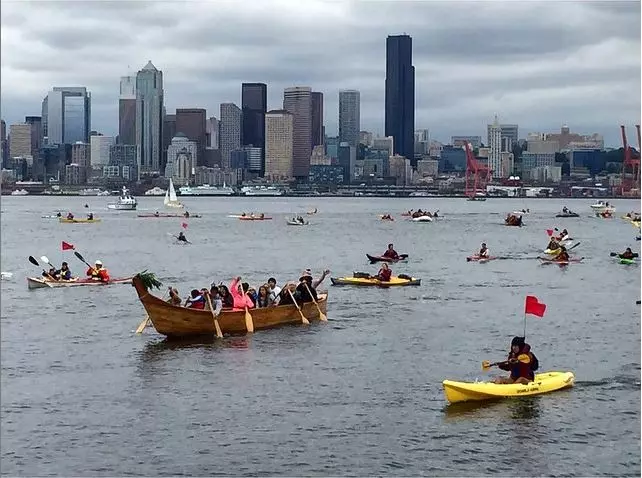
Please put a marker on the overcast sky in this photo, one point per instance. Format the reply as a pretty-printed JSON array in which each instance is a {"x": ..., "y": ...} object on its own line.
[{"x": 535, "y": 64}]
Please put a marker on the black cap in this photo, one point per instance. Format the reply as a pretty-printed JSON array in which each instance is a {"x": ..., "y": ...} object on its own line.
[{"x": 519, "y": 341}]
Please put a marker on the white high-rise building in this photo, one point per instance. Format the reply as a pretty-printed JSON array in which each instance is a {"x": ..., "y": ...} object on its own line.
[
  {"x": 495, "y": 153},
  {"x": 149, "y": 119},
  {"x": 181, "y": 159},
  {"x": 349, "y": 117},
  {"x": 279, "y": 144},
  {"x": 99, "y": 149},
  {"x": 212, "y": 132},
  {"x": 230, "y": 128}
]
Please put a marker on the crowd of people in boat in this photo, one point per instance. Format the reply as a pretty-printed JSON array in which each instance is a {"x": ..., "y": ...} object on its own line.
[
  {"x": 70, "y": 216},
  {"x": 298, "y": 219},
  {"x": 420, "y": 213},
  {"x": 97, "y": 273},
  {"x": 241, "y": 295}
]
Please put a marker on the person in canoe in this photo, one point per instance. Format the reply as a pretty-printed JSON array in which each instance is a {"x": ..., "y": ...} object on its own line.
[
  {"x": 391, "y": 253},
  {"x": 521, "y": 363},
  {"x": 195, "y": 300},
  {"x": 562, "y": 235},
  {"x": 565, "y": 210},
  {"x": 98, "y": 272},
  {"x": 58, "y": 214},
  {"x": 156, "y": 214},
  {"x": 186, "y": 214},
  {"x": 64, "y": 272},
  {"x": 90, "y": 216},
  {"x": 215, "y": 298},
  {"x": 238, "y": 291},
  {"x": 628, "y": 254},
  {"x": 384, "y": 274},
  {"x": 562, "y": 256},
  {"x": 70, "y": 216},
  {"x": 226, "y": 297},
  {"x": 181, "y": 237},
  {"x": 174, "y": 297},
  {"x": 300, "y": 220},
  {"x": 483, "y": 251},
  {"x": 262, "y": 216},
  {"x": 386, "y": 217}
]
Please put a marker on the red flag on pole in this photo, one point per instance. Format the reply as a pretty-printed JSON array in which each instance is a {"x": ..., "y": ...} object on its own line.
[
  {"x": 549, "y": 232},
  {"x": 184, "y": 225},
  {"x": 66, "y": 246},
  {"x": 534, "y": 306}
]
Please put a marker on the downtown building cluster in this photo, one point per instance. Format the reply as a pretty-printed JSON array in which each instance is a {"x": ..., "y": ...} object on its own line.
[{"x": 249, "y": 142}]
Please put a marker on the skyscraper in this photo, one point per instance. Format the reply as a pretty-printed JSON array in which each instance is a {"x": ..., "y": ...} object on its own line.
[
  {"x": 127, "y": 110},
  {"x": 4, "y": 153},
  {"x": 400, "y": 95},
  {"x": 66, "y": 115},
  {"x": 254, "y": 104},
  {"x": 20, "y": 140},
  {"x": 191, "y": 122},
  {"x": 298, "y": 101},
  {"x": 231, "y": 126},
  {"x": 495, "y": 144},
  {"x": 279, "y": 141},
  {"x": 510, "y": 135},
  {"x": 349, "y": 117},
  {"x": 149, "y": 119},
  {"x": 36, "y": 135},
  {"x": 317, "y": 118},
  {"x": 211, "y": 132}
]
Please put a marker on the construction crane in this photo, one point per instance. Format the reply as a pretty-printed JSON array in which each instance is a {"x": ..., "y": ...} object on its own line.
[
  {"x": 477, "y": 174},
  {"x": 630, "y": 166}
]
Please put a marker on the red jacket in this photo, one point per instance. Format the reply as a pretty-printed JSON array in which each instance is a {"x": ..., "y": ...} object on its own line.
[
  {"x": 101, "y": 274},
  {"x": 391, "y": 253},
  {"x": 384, "y": 275}
]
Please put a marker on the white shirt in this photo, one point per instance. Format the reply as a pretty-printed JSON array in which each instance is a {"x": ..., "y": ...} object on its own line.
[{"x": 274, "y": 294}]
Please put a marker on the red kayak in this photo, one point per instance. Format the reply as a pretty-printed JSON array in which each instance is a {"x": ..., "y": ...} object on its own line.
[
  {"x": 402, "y": 257},
  {"x": 480, "y": 258},
  {"x": 546, "y": 260},
  {"x": 254, "y": 218},
  {"x": 169, "y": 215}
]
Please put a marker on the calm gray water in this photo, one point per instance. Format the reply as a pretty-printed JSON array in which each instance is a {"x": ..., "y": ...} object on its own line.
[{"x": 359, "y": 395}]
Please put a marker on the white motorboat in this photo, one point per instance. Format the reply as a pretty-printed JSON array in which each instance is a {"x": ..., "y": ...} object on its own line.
[
  {"x": 601, "y": 206},
  {"x": 20, "y": 192},
  {"x": 422, "y": 219},
  {"x": 155, "y": 191},
  {"x": 295, "y": 222},
  {"x": 125, "y": 202},
  {"x": 171, "y": 200},
  {"x": 6, "y": 275}
]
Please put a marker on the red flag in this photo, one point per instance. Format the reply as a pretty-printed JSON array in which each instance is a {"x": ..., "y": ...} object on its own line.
[
  {"x": 66, "y": 246},
  {"x": 534, "y": 306},
  {"x": 549, "y": 232},
  {"x": 184, "y": 225}
]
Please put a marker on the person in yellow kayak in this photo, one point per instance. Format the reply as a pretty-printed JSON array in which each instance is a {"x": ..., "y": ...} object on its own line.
[
  {"x": 562, "y": 256},
  {"x": 521, "y": 363},
  {"x": 385, "y": 273},
  {"x": 553, "y": 244}
]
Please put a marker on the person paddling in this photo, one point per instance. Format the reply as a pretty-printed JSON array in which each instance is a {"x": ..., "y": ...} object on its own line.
[
  {"x": 484, "y": 251},
  {"x": 628, "y": 254},
  {"x": 521, "y": 363},
  {"x": 391, "y": 253},
  {"x": 562, "y": 256},
  {"x": 196, "y": 300},
  {"x": 181, "y": 237},
  {"x": 384, "y": 274},
  {"x": 98, "y": 272},
  {"x": 52, "y": 274},
  {"x": 70, "y": 216},
  {"x": 553, "y": 244},
  {"x": 64, "y": 272},
  {"x": 90, "y": 216}
]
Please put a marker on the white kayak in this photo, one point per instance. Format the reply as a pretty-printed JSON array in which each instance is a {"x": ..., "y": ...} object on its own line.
[
  {"x": 422, "y": 219},
  {"x": 6, "y": 275},
  {"x": 297, "y": 223}
]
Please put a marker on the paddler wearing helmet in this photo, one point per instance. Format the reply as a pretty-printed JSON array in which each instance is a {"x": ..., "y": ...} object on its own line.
[
  {"x": 521, "y": 363},
  {"x": 98, "y": 272}
]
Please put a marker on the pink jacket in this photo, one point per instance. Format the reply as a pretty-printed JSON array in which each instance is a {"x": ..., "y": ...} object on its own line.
[{"x": 241, "y": 301}]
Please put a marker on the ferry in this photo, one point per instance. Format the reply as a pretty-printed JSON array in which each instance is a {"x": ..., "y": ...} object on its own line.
[
  {"x": 93, "y": 192},
  {"x": 261, "y": 191},
  {"x": 206, "y": 190}
]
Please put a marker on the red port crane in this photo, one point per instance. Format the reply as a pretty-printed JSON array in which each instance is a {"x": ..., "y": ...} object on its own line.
[
  {"x": 477, "y": 174},
  {"x": 630, "y": 166}
]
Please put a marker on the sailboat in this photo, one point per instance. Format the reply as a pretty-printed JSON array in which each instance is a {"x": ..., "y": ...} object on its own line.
[{"x": 170, "y": 197}]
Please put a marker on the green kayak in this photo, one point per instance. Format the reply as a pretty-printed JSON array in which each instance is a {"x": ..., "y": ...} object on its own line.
[{"x": 627, "y": 261}]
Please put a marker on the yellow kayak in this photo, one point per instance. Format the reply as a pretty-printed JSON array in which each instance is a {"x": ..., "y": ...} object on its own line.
[
  {"x": 394, "y": 281},
  {"x": 544, "y": 383},
  {"x": 552, "y": 252},
  {"x": 73, "y": 221}
]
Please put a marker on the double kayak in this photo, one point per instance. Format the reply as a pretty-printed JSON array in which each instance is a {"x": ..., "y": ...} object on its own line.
[
  {"x": 297, "y": 223},
  {"x": 254, "y": 218},
  {"x": 475, "y": 391},
  {"x": 402, "y": 257},
  {"x": 41, "y": 282},
  {"x": 363, "y": 281},
  {"x": 64, "y": 220},
  {"x": 422, "y": 219},
  {"x": 478, "y": 258},
  {"x": 171, "y": 215},
  {"x": 567, "y": 214},
  {"x": 546, "y": 260}
]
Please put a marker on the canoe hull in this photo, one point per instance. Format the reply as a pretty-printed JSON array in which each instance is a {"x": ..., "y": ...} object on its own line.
[
  {"x": 64, "y": 220},
  {"x": 394, "y": 282},
  {"x": 567, "y": 215},
  {"x": 547, "y": 382},
  {"x": 41, "y": 283},
  {"x": 175, "y": 321},
  {"x": 254, "y": 218}
]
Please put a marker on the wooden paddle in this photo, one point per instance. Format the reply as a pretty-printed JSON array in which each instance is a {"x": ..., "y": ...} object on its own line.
[
  {"x": 321, "y": 314},
  {"x": 303, "y": 319},
  {"x": 219, "y": 334}
]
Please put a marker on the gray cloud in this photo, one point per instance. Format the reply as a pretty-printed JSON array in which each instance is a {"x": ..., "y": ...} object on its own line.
[{"x": 538, "y": 64}]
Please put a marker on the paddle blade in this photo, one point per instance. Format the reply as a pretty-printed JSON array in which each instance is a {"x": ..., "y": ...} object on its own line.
[
  {"x": 322, "y": 317},
  {"x": 45, "y": 259},
  {"x": 33, "y": 261},
  {"x": 303, "y": 319},
  {"x": 613, "y": 254},
  {"x": 485, "y": 365},
  {"x": 249, "y": 323},
  {"x": 79, "y": 256},
  {"x": 142, "y": 326}
]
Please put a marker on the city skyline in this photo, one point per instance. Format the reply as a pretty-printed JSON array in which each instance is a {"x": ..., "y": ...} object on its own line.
[{"x": 579, "y": 64}]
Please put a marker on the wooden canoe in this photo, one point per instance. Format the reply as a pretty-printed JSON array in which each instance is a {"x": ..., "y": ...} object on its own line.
[
  {"x": 41, "y": 282},
  {"x": 64, "y": 220},
  {"x": 176, "y": 321}
]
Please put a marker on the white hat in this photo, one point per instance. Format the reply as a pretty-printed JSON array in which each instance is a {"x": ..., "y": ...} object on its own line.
[{"x": 98, "y": 263}]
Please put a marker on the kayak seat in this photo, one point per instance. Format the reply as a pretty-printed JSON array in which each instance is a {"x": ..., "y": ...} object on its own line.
[{"x": 361, "y": 275}]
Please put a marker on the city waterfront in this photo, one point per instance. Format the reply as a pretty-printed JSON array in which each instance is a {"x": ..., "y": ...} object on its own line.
[{"x": 82, "y": 395}]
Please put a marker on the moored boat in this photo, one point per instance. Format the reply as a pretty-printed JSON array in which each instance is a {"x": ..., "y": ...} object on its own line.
[
  {"x": 42, "y": 282},
  {"x": 360, "y": 280},
  {"x": 475, "y": 391},
  {"x": 177, "y": 321}
]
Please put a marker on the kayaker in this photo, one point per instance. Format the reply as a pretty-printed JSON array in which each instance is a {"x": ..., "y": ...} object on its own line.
[
  {"x": 52, "y": 274},
  {"x": 384, "y": 274},
  {"x": 562, "y": 256},
  {"x": 521, "y": 363},
  {"x": 58, "y": 214},
  {"x": 628, "y": 254},
  {"x": 90, "y": 216},
  {"x": 262, "y": 216},
  {"x": 484, "y": 251},
  {"x": 186, "y": 214},
  {"x": 195, "y": 301},
  {"x": 391, "y": 253},
  {"x": 70, "y": 216},
  {"x": 64, "y": 272},
  {"x": 181, "y": 237},
  {"x": 553, "y": 244},
  {"x": 156, "y": 214},
  {"x": 98, "y": 272},
  {"x": 562, "y": 235}
]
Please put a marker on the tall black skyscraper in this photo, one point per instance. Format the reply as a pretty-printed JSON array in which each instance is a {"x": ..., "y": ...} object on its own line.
[
  {"x": 254, "y": 106},
  {"x": 400, "y": 95}
]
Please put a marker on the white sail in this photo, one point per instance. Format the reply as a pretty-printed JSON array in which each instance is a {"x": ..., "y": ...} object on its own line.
[
  {"x": 166, "y": 201},
  {"x": 172, "y": 192}
]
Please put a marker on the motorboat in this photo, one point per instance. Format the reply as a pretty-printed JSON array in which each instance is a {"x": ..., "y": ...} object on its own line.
[
  {"x": 155, "y": 191},
  {"x": 125, "y": 202},
  {"x": 20, "y": 192}
]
